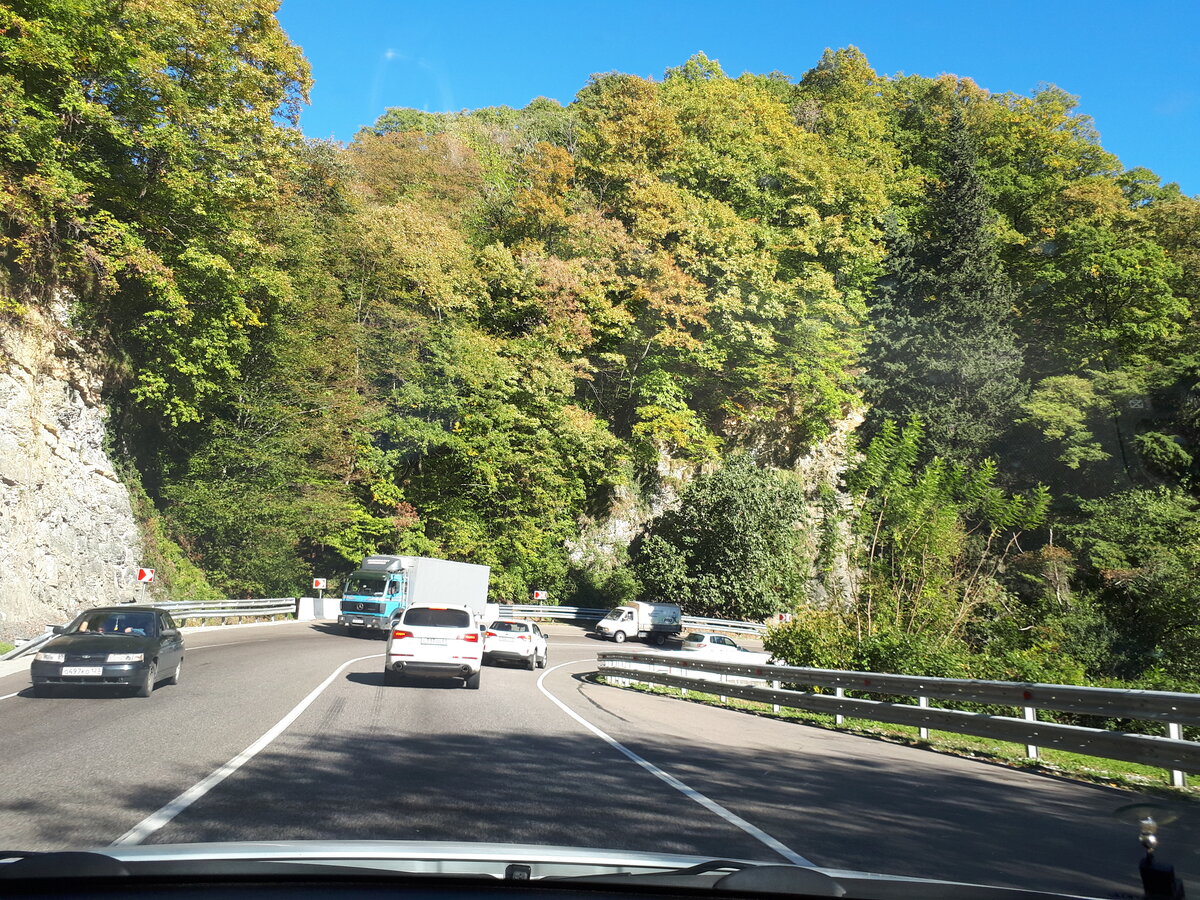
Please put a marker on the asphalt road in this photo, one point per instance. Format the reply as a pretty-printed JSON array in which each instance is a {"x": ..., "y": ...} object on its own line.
[{"x": 532, "y": 757}]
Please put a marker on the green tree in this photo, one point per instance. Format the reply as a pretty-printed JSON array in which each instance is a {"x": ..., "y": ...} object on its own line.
[
  {"x": 944, "y": 347},
  {"x": 734, "y": 548}
]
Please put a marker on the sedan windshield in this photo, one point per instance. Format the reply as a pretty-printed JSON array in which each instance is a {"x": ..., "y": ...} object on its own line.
[{"x": 139, "y": 623}]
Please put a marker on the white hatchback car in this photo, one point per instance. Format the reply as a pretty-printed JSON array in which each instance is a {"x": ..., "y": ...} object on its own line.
[
  {"x": 720, "y": 646},
  {"x": 435, "y": 642},
  {"x": 516, "y": 640}
]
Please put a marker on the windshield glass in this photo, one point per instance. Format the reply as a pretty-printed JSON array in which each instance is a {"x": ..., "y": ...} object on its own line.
[
  {"x": 509, "y": 626},
  {"x": 866, "y": 333},
  {"x": 364, "y": 586},
  {"x": 437, "y": 618},
  {"x": 138, "y": 623}
]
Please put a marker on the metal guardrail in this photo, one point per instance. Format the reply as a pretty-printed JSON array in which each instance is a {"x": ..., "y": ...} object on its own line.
[
  {"x": 586, "y": 614},
  {"x": 229, "y": 609},
  {"x": 725, "y": 625},
  {"x": 762, "y": 683}
]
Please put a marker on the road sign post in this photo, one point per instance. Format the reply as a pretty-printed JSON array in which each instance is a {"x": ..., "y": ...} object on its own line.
[{"x": 144, "y": 577}]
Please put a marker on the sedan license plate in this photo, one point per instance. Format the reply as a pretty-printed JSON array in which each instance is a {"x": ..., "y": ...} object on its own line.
[{"x": 83, "y": 670}]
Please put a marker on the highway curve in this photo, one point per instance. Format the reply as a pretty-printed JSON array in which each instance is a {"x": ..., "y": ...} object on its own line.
[{"x": 531, "y": 757}]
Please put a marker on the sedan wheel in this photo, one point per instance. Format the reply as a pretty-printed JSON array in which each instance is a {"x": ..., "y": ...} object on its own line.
[
  {"x": 146, "y": 688},
  {"x": 174, "y": 679}
]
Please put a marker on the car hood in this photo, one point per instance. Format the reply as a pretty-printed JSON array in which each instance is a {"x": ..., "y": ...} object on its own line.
[
  {"x": 635, "y": 870},
  {"x": 84, "y": 643}
]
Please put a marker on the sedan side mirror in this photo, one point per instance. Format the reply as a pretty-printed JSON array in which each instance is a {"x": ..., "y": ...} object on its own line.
[{"x": 58, "y": 629}]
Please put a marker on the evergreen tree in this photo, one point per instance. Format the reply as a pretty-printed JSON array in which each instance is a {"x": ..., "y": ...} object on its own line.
[{"x": 944, "y": 347}]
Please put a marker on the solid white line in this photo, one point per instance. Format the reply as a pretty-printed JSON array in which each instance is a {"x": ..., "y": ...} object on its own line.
[
  {"x": 226, "y": 644},
  {"x": 6, "y": 696},
  {"x": 157, "y": 820},
  {"x": 692, "y": 794}
]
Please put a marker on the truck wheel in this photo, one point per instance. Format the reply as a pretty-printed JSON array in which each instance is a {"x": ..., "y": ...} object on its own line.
[
  {"x": 472, "y": 682},
  {"x": 660, "y": 639},
  {"x": 619, "y": 637}
]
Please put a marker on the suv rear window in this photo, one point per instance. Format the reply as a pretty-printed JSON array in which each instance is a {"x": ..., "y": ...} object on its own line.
[
  {"x": 437, "y": 618},
  {"x": 508, "y": 626}
]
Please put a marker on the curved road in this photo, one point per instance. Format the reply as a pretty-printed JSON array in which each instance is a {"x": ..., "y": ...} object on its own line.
[{"x": 532, "y": 757}]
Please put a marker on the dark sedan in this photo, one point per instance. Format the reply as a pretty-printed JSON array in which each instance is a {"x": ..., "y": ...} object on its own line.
[{"x": 134, "y": 646}]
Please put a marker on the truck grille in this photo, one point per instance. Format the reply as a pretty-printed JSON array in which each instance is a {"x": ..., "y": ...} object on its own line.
[{"x": 361, "y": 606}]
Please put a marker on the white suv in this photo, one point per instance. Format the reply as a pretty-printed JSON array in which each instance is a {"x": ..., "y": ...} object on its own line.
[
  {"x": 515, "y": 640},
  {"x": 435, "y": 642}
]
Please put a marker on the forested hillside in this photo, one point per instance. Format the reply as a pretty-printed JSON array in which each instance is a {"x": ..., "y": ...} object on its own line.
[{"x": 466, "y": 334}]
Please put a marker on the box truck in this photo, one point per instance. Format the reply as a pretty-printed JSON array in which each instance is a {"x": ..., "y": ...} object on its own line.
[
  {"x": 382, "y": 587},
  {"x": 649, "y": 621}
]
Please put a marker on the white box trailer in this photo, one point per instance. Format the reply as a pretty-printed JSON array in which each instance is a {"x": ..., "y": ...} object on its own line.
[
  {"x": 652, "y": 622},
  {"x": 437, "y": 581}
]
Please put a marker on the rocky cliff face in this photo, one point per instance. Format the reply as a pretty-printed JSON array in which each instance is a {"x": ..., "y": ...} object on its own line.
[{"x": 68, "y": 538}]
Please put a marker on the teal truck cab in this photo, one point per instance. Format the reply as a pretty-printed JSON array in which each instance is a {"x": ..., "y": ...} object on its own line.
[{"x": 384, "y": 586}]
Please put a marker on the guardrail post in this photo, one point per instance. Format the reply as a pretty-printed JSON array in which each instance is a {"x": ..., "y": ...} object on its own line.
[
  {"x": 839, "y": 719},
  {"x": 1031, "y": 716},
  {"x": 923, "y": 732},
  {"x": 1175, "y": 733},
  {"x": 775, "y": 685},
  {"x": 724, "y": 680}
]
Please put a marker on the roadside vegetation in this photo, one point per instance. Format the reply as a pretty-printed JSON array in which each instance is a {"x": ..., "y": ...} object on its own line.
[{"x": 479, "y": 334}]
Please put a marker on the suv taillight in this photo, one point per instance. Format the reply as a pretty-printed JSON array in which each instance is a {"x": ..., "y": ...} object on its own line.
[
  {"x": 472, "y": 636},
  {"x": 491, "y": 634},
  {"x": 398, "y": 634}
]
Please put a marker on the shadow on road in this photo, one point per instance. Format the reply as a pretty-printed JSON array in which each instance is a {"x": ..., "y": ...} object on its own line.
[{"x": 376, "y": 679}]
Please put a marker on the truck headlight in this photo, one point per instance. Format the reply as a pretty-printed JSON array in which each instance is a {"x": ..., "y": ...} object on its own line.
[
  {"x": 125, "y": 657},
  {"x": 50, "y": 657}
]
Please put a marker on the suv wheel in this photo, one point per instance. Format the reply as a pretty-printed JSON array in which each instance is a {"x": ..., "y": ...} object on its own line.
[
  {"x": 390, "y": 677},
  {"x": 472, "y": 682}
]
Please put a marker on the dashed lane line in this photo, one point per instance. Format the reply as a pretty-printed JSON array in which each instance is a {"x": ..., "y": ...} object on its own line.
[{"x": 691, "y": 793}]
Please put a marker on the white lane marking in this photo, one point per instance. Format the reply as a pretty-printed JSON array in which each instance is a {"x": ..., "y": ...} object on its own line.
[
  {"x": 692, "y": 794},
  {"x": 226, "y": 644},
  {"x": 6, "y": 696},
  {"x": 157, "y": 820}
]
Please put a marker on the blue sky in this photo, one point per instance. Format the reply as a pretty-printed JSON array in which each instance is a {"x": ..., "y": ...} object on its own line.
[{"x": 1135, "y": 66}]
